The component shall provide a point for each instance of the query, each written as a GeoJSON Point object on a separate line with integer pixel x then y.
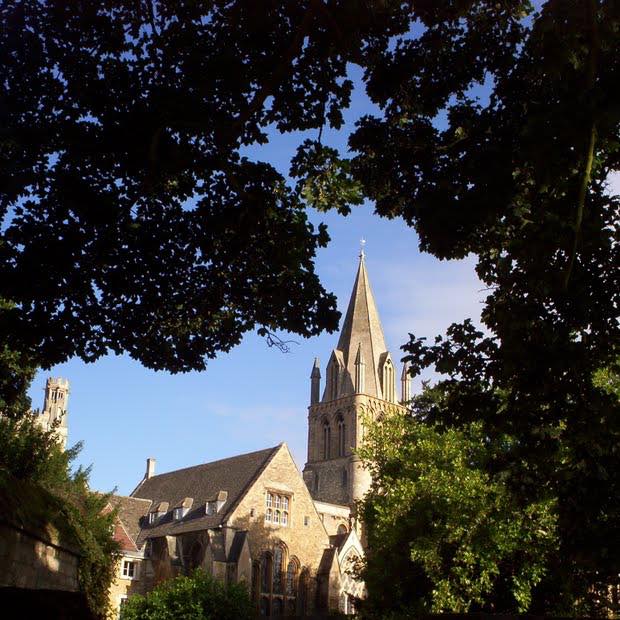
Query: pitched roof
{"type": "Point", "coordinates": [130, 512]}
{"type": "Point", "coordinates": [361, 333]}
{"type": "Point", "coordinates": [204, 483]}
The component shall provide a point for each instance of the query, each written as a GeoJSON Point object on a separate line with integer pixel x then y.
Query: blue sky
{"type": "Point", "coordinates": [255, 397]}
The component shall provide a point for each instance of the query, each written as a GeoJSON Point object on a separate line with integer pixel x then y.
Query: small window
{"type": "Point", "coordinates": [285, 503]}
{"type": "Point", "coordinates": [276, 517]}
{"type": "Point", "coordinates": [152, 517]}
{"type": "Point", "coordinates": [252, 512]}
{"type": "Point", "coordinates": [268, 515]}
{"type": "Point", "coordinates": [278, 501]}
{"type": "Point", "coordinates": [178, 514]}
{"type": "Point", "coordinates": [284, 519]}
{"type": "Point", "coordinates": [306, 520]}
{"type": "Point", "coordinates": [129, 569]}
{"type": "Point", "coordinates": [269, 500]}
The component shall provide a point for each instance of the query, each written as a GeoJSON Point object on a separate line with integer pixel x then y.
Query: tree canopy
{"type": "Point", "coordinates": [444, 535]}
{"type": "Point", "coordinates": [132, 222]}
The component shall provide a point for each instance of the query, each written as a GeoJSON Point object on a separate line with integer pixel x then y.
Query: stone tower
{"type": "Point", "coordinates": [360, 382]}
{"type": "Point", "coordinates": [55, 407]}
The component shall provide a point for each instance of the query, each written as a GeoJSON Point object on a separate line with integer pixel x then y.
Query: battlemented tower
{"type": "Point", "coordinates": [55, 407]}
{"type": "Point", "coordinates": [360, 382]}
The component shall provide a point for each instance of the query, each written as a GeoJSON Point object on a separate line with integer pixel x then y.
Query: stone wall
{"type": "Point", "coordinates": [28, 561]}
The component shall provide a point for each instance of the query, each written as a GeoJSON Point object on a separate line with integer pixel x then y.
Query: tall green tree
{"type": "Point", "coordinates": [444, 535]}
{"type": "Point", "coordinates": [517, 175]}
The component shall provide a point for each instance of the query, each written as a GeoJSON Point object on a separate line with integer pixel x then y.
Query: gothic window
{"type": "Point", "coordinates": [342, 529]}
{"type": "Point", "coordinates": [292, 577]}
{"type": "Point", "coordinates": [341, 436]}
{"type": "Point", "coordinates": [278, 570]}
{"type": "Point", "coordinates": [326, 439]}
{"type": "Point", "coordinates": [278, 582]}
{"type": "Point", "coordinates": [266, 570]}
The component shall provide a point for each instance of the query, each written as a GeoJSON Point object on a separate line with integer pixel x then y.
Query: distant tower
{"type": "Point", "coordinates": [360, 382]}
{"type": "Point", "coordinates": [55, 407]}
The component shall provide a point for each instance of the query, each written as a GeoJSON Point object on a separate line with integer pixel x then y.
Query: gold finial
{"type": "Point", "coordinates": [362, 244]}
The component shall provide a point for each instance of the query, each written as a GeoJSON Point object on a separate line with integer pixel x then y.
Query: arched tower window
{"type": "Point", "coordinates": [344, 478]}
{"type": "Point", "coordinates": [327, 439]}
{"type": "Point", "coordinates": [334, 377]}
{"type": "Point", "coordinates": [341, 436]}
{"type": "Point", "coordinates": [388, 381]}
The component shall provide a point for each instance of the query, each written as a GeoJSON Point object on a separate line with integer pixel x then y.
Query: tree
{"type": "Point", "coordinates": [443, 534]}
{"type": "Point", "coordinates": [195, 597]}
{"type": "Point", "coordinates": [37, 482]}
{"type": "Point", "coordinates": [517, 175]}
{"type": "Point", "coordinates": [130, 220]}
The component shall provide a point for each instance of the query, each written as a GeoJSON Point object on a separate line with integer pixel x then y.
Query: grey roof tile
{"type": "Point", "coordinates": [204, 483]}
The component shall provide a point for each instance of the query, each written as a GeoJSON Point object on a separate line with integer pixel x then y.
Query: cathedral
{"type": "Point", "coordinates": [293, 539]}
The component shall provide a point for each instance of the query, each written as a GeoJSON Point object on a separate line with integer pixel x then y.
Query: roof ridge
{"type": "Point", "coordinates": [228, 458]}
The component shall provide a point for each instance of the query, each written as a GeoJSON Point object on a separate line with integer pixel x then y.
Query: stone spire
{"type": "Point", "coordinates": [361, 334]}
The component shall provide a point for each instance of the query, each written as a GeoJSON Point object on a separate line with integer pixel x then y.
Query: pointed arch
{"type": "Point", "coordinates": [341, 434]}
{"type": "Point", "coordinates": [326, 439]}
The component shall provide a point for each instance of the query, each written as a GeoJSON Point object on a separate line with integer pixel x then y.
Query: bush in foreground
{"type": "Point", "coordinates": [197, 597]}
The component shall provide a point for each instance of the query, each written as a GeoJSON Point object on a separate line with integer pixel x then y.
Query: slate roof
{"type": "Point", "coordinates": [203, 483]}
{"type": "Point", "coordinates": [130, 513]}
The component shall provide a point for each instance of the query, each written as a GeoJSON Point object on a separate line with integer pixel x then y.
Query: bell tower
{"type": "Point", "coordinates": [54, 414]}
{"type": "Point", "coordinates": [360, 384]}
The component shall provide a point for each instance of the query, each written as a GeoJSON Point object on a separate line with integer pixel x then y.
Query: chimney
{"type": "Point", "coordinates": [150, 468]}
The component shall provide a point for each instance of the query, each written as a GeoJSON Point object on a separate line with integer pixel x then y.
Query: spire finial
{"type": "Point", "coordinates": [362, 244]}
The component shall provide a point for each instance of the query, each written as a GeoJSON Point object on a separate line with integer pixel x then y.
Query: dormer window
{"type": "Point", "coordinates": [214, 505]}
{"type": "Point", "coordinates": [182, 508]}
{"type": "Point", "coordinates": [157, 512]}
